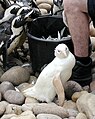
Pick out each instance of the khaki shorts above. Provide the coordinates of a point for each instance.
(91, 10)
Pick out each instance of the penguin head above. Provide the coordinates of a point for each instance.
(4, 4)
(61, 51)
(33, 4)
(58, 3)
(14, 8)
(23, 10)
(34, 13)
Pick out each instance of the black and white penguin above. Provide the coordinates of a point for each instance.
(57, 7)
(18, 27)
(20, 20)
(4, 4)
(23, 10)
(10, 12)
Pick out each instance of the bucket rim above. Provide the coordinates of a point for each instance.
(43, 40)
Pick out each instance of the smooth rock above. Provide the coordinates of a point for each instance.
(13, 109)
(50, 109)
(86, 104)
(23, 86)
(30, 100)
(7, 116)
(25, 115)
(72, 112)
(71, 87)
(76, 95)
(3, 105)
(14, 97)
(16, 75)
(81, 116)
(70, 105)
(48, 116)
(5, 86)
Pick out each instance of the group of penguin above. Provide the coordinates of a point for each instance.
(14, 14)
(12, 24)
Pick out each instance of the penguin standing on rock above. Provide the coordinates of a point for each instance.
(53, 77)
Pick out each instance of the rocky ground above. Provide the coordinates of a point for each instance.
(79, 101)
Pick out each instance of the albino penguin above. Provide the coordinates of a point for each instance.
(47, 85)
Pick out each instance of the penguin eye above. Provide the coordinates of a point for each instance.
(58, 50)
(66, 48)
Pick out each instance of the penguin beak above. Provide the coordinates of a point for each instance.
(26, 16)
(65, 53)
(33, 14)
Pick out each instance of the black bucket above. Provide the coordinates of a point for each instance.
(42, 50)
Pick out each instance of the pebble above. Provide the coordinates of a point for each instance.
(5, 86)
(14, 97)
(48, 116)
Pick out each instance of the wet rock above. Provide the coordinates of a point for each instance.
(48, 116)
(16, 75)
(14, 97)
(5, 86)
(71, 87)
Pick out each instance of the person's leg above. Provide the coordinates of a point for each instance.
(78, 23)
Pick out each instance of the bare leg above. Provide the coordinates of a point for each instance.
(76, 12)
(59, 90)
(78, 22)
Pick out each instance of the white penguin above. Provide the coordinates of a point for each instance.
(44, 89)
